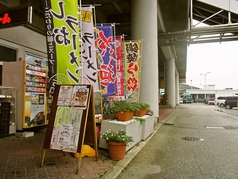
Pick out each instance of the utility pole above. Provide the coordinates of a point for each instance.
(205, 85)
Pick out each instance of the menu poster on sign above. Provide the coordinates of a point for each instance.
(80, 97)
(66, 129)
(64, 137)
(61, 116)
(65, 95)
(75, 117)
(54, 138)
(74, 141)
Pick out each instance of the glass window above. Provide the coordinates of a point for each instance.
(6, 55)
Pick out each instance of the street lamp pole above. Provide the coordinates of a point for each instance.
(205, 85)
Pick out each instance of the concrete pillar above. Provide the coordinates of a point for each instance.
(144, 27)
(170, 82)
(177, 87)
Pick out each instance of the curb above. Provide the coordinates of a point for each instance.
(121, 164)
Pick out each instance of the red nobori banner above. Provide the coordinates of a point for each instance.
(120, 94)
(132, 61)
(88, 53)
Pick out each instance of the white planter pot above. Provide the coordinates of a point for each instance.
(147, 127)
(132, 127)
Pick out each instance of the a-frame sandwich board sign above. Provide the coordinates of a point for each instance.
(72, 121)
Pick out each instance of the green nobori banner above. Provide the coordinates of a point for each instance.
(62, 30)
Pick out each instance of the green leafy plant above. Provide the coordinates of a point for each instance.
(141, 120)
(144, 105)
(119, 136)
(124, 106)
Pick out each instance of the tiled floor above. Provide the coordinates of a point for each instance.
(164, 112)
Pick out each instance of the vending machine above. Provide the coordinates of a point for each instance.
(29, 77)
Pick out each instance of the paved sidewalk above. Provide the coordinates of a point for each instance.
(113, 173)
(20, 158)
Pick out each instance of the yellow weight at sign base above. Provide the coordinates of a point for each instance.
(86, 151)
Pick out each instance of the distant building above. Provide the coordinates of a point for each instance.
(209, 87)
(210, 92)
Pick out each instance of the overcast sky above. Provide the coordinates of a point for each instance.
(219, 59)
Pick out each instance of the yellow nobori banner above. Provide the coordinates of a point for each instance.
(132, 61)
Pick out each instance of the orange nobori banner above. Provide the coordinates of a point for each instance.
(132, 61)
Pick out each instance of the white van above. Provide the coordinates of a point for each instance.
(220, 101)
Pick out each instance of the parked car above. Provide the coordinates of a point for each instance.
(231, 102)
(187, 99)
(220, 101)
(210, 101)
(199, 100)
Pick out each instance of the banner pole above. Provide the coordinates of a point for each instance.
(43, 158)
(98, 55)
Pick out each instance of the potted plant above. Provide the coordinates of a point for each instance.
(117, 142)
(143, 107)
(124, 109)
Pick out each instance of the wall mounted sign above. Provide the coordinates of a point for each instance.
(11, 17)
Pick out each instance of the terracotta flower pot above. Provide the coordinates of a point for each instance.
(141, 112)
(117, 150)
(124, 115)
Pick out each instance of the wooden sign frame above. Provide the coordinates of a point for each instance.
(87, 128)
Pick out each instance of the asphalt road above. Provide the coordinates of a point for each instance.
(197, 142)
